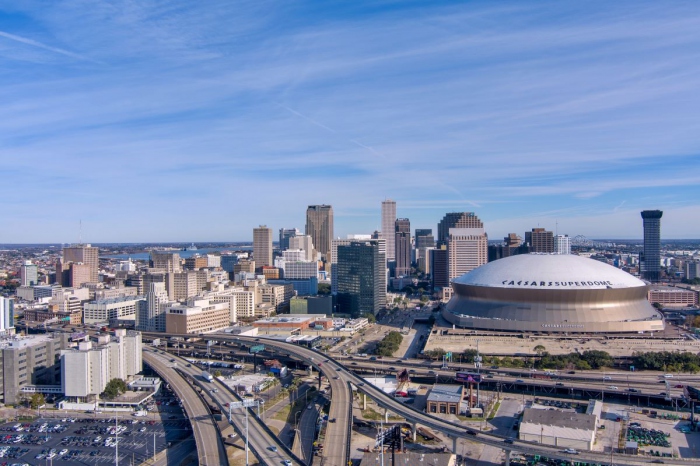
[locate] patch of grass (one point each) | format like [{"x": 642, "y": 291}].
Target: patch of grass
[
  {"x": 494, "y": 410},
  {"x": 371, "y": 414}
]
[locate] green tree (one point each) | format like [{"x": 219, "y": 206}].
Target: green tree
[
  {"x": 114, "y": 388},
  {"x": 370, "y": 317},
  {"x": 36, "y": 400},
  {"x": 217, "y": 373},
  {"x": 324, "y": 289}
]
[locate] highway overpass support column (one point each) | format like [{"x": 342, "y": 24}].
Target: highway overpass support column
[
  {"x": 364, "y": 402},
  {"x": 386, "y": 415},
  {"x": 507, "y": 462},
  {"x": 413, "y": 431},
  {"x": 454, "y": 445},
  {"x": 319, "y": 380}
]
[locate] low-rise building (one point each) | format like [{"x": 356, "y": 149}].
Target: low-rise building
[
  {"x": 44, "y": 313},
  {"x": 558, "y": 428},
  {"x": 108, "y": 309},
  {"x": 446, "y": 399},
  {"x": 669, "y": 296},
  {"x": 197, "y": 316}
]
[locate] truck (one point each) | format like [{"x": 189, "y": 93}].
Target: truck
[{"x": 207, "y": 376}]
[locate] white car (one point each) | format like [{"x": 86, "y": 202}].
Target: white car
[
  {"x": 571, "y": 451},
  {"x": 63, "y": 452},
  {"x": 287, "y": 463}
]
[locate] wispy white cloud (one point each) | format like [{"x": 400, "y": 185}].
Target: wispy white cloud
[{"x": 512, "y": 110}]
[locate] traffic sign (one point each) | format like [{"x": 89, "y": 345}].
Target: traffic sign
[{"x": 256, "y": 349}]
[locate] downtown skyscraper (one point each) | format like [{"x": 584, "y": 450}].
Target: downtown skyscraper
[
  {"x": 319, "y": 225},
  {"x": 262, "y": 246},
  {"x": 402, "y": 245},
  {"x": 650, "y": 257},
  {"x": 388, "y": 220}
]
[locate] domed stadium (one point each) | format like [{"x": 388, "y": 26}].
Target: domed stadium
[{"x": 551, "y": 293}]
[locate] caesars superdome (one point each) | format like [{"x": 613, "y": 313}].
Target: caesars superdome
[{"x": 551, "y": 293}]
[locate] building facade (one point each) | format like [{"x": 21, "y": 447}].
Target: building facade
[
  {"x": 361, "y": 279},
  {"x": 105, "y": 310},
  {"x": 388, "y": 227},
  {"x": 562, "y": 244},
  {"x": 319, "y": 225},
  {"x": 28, "y": 274},
  {"x": 262, "y": 246},
  {"x": 650, "y": 257},
  {"x": 540, "y": 240},
  {"x": 402, "y": 247},
  {"x": 85, "y": 254},
  {"x": 467, "y": 249}
]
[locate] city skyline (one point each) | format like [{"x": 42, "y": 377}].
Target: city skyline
[{"x": 132, "y": 118}]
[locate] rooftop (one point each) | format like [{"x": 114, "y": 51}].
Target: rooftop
[{"x": 446, "y": 393}]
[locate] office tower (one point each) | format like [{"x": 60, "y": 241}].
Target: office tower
[
  {"x": 361, "y": 275},
  {"x": 692, "y": 270},
  {"x": 439, "y": 267},
  {"x": 306, "y": 244},
  {"x": 85, "y": 254},
  {"x": 285, "y": 235},
  {"x": 423, "y": 259},
  {"x": 150, "y": 316},
  {"x": 243, "y": 265},
  {"x": 262, "y": 246},
  {"x": 228, "y": 262},
  {"x": 650, "y": 258},
  {"x": 7, "y": 315},
  {"x": 319, "y": 225},
  {"x": 28, "y": 274},
  {"x": 335, "y": 244},
  {"x": 196, "y": 262},
  {"x": 424, "y": 238},
  {"x": 467, "y": 249},
  {"x": 79, "y": 274},
  {"x": 388, "y": 220},
  {"x": 456, "y": 220},
  {"x": 562, "y": 244},
  {"x": 402, "y": 245},
  {"x": 540, "y": 240},
  {"x": 512, "y": 246},
  {"x": 165, "y": 261}
]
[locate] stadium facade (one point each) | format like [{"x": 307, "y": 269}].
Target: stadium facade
[{"x": 551, "y": 293}]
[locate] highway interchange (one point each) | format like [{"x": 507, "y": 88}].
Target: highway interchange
[{"x": 343, "y": 381}]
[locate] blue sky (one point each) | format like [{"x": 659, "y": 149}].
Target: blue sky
[{"x": 197, "y": 121}]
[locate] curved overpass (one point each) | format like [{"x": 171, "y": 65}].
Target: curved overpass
[
  {"x": 260, "y": 438},
  {"x": 451, "y": 429},
  {"x": 210, "y": 448}
]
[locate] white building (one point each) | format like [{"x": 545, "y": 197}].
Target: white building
[
  {"x": 107, "y": 309},
  {"x": 28, "y": 274},
  {"x": 467, "y": 249},
  {"x": 150, "y": 314},
  {"x": 558, "y": 428},
  {"x": 7, "y": 315},
  {"x": 303, "y": 243},
  {"x": 85, "y": 371},
  {"x": 213, "y": 260},
  {"x": 562, "y": 244}
]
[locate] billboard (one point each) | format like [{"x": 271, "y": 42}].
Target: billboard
[{"x": 467, "y": 377}]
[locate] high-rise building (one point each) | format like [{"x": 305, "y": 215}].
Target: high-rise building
[
  {"x": 85, "y": 254},
  {"x": 562, "y": 244},
  {"x": 262, "y": 246},
  {"x": 540, "y": 240},
  {"x": 424, "y": 238},
  {"x": 165, "y": 261},
  {"x": 402, "y": 245},
  {"x": 456, "y": 220},
  {"x": 650, "y": 258},
  {"x": 512, "y": 246},
  {"x": 28, "y": 274},
  {"x": 305, "y": 243},
  {"x": 79, "y": 274},
  {"x": 319, "y": 225},
  {"x": 439, "y": 267},
  {"x": 285, "y": 235},
  {"x": 692, "y": 270},
  {"x": 7, "y": 315},
  {"x": 150, "y": 315},
  {"x": 388, "y": 220},
  {"x": 361, "y": 277},
  {"x": 467, "y": 249}
]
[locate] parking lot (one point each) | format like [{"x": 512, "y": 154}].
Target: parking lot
[{"x": 92, "y": 439}]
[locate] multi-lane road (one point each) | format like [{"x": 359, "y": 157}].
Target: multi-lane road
[
  {"x": 343, "y": 381},
  {"x": 263, "y": 443},
  {"x": 209, "y": 444}
]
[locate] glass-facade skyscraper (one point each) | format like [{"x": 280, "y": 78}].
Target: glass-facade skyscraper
[
  {"x": 650, "y": 258},
  {"x": 361, "y": 277}
]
